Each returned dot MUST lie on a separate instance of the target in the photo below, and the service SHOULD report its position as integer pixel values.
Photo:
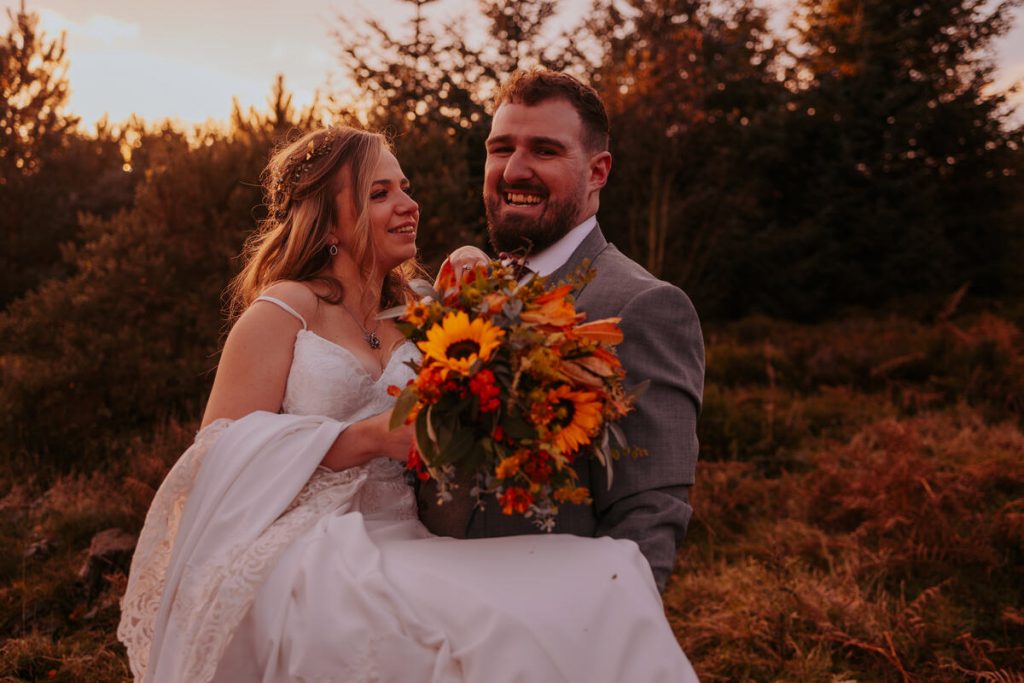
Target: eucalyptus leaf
(639, 389)
(404, 404)
(601, 451)
(423, 289)
(620, 436)
(390, 313)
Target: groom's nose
(517, 168)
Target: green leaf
(460, 446)
(406, 400)
(423, 441)
(517, 428)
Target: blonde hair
(300, 185)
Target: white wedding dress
(256, 564)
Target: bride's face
(394, 215)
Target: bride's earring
(333, 250)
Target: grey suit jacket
(649, 499)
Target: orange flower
(606, 331)
(494, 302)
(509, 466)
(553, 308)
(457, 342)
(430, 381)
(446, 279)
(515, 500)
(416, 313)
(572, 494)
(577, 417)
(541, 413)
(579, 375)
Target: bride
(284, 544)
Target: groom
(547, 160)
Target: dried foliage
(842, 531)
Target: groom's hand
(463, 260)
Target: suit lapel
(591, 246)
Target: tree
(689, 86)
(130, 335)
(897, 182)
(33, 73)
(420, 86)
(34, 131)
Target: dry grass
(859, 515)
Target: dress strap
(285, 306)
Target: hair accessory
(294, 169)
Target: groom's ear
(600, 167)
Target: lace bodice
(326, 379)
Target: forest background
(844, 206)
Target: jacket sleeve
(649, 500)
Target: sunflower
(456, 343)
(577, 417)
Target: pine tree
(897, 184)
(687, 84)
(33, 76)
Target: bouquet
(513, 387)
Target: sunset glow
(186, 60)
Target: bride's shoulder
(298, 296)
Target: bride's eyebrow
(388, 182)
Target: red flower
(538, 467)
(486, 390)
(516, 500)
(498, 434)
(416, 464)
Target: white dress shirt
(555, 256)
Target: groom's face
(536, 175)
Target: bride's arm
(254, 364)
(253, 373)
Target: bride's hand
(368, 439)
(394, 443)
(463, 260)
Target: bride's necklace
(370, 336)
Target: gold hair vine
(286, 182)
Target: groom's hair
(536, 85)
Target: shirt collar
(555, 256)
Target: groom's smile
(535, 177)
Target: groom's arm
(649, 499)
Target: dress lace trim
(208, 607)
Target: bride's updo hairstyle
(300, 185)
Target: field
(859, 514)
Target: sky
(186, 59)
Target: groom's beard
(525, 234)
